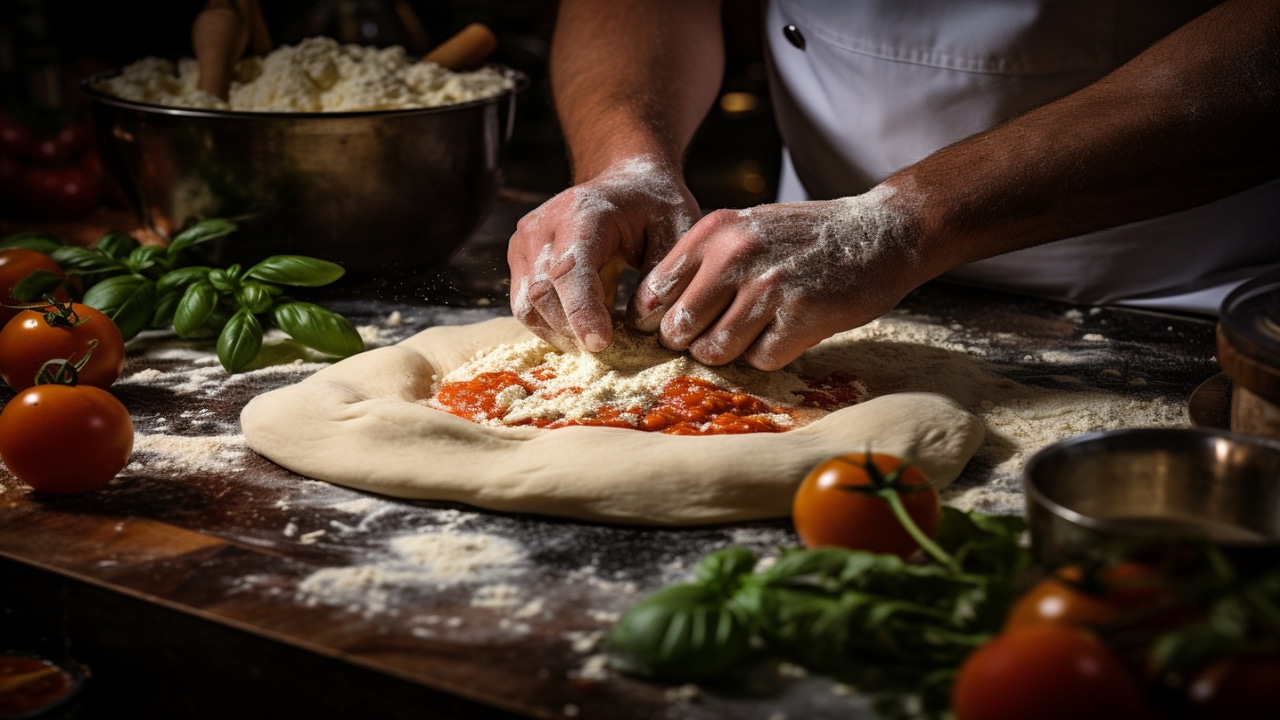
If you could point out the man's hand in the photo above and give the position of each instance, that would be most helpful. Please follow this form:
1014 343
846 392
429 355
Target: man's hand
637 209
769 282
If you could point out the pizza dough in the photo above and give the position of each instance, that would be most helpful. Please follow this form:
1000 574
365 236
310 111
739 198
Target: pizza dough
359 423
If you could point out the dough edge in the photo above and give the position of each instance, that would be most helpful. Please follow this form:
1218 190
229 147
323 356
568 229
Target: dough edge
356 424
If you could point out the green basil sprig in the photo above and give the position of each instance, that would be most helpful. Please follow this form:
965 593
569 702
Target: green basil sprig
228 302
889 627
144 286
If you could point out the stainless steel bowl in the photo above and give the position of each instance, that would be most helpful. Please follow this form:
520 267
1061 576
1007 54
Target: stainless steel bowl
381 192
1139 489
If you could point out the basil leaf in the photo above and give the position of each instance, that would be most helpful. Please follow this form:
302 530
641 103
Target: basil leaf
686 632
180 278
35 286
802 563
255 296
147 257
194 309
201 232
239 341
318 328
117 245
85 261
223 281
724 568
166 306
129 300
32 240
297 270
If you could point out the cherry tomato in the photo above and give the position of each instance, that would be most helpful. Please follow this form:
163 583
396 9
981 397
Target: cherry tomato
68 332
65 439
63 193
826 515
62 148
15 265
1246 687
1046 672
1121 591
16 139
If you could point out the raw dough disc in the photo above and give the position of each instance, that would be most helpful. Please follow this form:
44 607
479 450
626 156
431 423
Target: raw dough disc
357 423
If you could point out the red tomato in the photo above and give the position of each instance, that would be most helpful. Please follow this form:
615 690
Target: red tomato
35 337
62 148
826 515
1244 687
65 439
1122 591
75 139
1045 672
16 140
15 265
63 193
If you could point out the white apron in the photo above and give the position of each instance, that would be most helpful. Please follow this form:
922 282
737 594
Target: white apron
863 88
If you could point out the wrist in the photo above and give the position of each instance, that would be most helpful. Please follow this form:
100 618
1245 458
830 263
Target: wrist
589 161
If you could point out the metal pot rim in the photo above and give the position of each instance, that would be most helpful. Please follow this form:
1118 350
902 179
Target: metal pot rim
89 87
1035 495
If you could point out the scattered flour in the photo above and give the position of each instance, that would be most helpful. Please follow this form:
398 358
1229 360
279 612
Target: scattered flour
174 454
426 560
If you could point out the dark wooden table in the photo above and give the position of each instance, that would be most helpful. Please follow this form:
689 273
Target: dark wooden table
206 582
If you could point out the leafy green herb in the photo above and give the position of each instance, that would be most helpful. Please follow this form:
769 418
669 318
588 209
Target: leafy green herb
141 286
890 627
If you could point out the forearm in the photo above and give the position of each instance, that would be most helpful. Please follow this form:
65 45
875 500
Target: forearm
634 77
1190 120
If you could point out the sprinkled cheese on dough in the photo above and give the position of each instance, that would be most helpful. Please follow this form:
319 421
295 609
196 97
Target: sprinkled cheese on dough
629 374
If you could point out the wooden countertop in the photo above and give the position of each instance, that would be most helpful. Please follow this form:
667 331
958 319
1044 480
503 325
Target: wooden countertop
205 581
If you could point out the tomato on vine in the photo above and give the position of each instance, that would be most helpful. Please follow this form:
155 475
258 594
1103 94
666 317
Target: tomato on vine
75 333
16 264
1047 672
848 501
65 439
1126 592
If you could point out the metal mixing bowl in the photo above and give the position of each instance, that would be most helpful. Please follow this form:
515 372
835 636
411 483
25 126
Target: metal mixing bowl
381 192
1127 490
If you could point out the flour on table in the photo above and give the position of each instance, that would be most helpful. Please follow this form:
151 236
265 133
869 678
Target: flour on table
429 559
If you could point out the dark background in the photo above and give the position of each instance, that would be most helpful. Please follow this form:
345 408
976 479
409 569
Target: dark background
47 46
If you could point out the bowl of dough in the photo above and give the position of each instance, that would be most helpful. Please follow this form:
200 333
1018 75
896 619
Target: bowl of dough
364 156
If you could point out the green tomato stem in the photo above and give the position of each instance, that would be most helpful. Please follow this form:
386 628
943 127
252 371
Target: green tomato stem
925 542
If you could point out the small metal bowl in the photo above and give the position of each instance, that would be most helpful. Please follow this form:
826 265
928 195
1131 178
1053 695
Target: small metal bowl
1127 491
382 193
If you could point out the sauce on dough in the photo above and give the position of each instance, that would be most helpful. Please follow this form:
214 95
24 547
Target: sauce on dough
637 384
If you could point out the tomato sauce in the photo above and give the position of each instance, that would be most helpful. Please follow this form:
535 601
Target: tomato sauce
684 406
477 398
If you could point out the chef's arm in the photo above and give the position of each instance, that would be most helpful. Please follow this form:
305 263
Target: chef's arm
1192 119
634 77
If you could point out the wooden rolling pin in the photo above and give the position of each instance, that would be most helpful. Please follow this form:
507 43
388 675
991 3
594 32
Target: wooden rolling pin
465 50
220 35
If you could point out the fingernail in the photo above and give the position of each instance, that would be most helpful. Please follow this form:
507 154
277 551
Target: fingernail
594 342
